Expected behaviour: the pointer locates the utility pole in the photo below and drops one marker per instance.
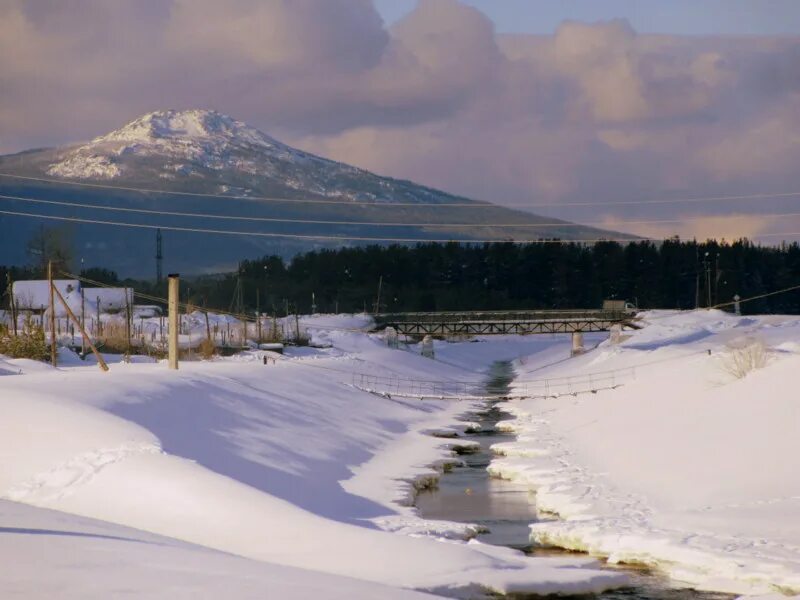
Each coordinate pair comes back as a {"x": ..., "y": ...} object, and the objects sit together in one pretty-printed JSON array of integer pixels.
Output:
[
  {"x": 208, "y": 325},
  {"x": 696, "y": 278},
  {"x": 258, "y": 314},
  {"x": 159, "y": 257},
  {"x": 707, "y": 264},
  {"x": 237, "y": 302},
  {"x": 378, "y": 298},
  {"x": 71, "y": 315},
  {"x": 172, "y": 303},
  {"x": 53, "y": 352}
]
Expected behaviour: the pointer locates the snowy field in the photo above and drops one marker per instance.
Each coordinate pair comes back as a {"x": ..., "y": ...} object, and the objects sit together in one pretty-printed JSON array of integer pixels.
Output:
[
  {"x": 687, "y": 465},
  {"x": 235, "y": 478}
]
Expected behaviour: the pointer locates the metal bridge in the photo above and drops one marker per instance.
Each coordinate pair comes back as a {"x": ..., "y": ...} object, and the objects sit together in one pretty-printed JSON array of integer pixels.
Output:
[{"x": 496, "y": 323}]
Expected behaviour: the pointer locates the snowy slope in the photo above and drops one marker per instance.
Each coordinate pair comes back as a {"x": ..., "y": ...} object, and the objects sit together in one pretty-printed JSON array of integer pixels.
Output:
[
  {"x": 685, "y": 466},
  {"x": 249, "y": 459},
  {"x": 48, "y": 554}
]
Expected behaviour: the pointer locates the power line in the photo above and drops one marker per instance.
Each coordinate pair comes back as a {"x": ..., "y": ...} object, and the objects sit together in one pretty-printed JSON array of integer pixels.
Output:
[
  {"x": 360, "y": 223},
  {"x": 758, "y": 297},
  {"x": 399, "y": 240},
  {"x": 275, "y": 219},
  {"x": 325, "y": 237},
  {"x": 387, "y": 204}
]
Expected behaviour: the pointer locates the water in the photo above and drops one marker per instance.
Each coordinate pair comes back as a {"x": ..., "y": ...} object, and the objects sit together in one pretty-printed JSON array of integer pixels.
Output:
[{"x": 468, "y": 494}]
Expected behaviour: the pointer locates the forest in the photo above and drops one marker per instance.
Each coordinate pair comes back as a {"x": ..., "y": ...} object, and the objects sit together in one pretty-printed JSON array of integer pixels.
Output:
[{"x": 431, "y": 277}]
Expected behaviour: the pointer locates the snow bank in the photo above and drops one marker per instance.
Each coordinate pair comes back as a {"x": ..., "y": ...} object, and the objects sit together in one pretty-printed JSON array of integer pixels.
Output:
[
  {"x": 58, "y": 555},
  {"x": 684, "y": 467},
  {"x": 248, "y": 459}
]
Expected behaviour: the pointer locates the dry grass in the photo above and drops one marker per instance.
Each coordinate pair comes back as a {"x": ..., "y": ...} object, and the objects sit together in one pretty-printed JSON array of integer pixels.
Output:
[
  {"x": 207, "y": 349},
  {"x": 744, "y": 357}
]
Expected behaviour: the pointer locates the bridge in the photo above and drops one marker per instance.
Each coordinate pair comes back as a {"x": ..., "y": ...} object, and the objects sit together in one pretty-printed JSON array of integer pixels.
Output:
[{"x": 504, "y": 322}]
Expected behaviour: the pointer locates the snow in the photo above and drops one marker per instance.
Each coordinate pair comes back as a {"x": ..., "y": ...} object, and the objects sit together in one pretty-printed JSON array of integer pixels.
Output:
[
  {"x": 285, "y": 464},
  {"x": 184, "y": 139},
  {"x": 52, "y": 552},
  {"x": 115, "y": 298},
  {"x": 684, "y": 467},
  {"x": 35, "y": 295},
  {"x": 85, "y": 163}
]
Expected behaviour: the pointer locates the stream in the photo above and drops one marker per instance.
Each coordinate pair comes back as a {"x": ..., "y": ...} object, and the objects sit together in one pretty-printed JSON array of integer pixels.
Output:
[{"x": 469, "y": 494}]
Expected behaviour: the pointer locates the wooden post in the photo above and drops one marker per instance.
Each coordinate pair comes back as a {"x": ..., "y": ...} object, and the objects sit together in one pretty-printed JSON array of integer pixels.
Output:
[
  {"x": 174, "y": 280},
  {"x": 11, "y": 304},
  {"x": 128, "y": 319},
  {"x": 100, "y": 360},
  {"x": 99, "y": 324},
  {"x": 53, "y": 353},
  {"x": 83, "y": 322}
]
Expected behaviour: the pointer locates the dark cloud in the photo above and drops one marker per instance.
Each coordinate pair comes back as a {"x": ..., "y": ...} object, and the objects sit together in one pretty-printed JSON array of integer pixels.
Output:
[{"x": 593, "y": 112}]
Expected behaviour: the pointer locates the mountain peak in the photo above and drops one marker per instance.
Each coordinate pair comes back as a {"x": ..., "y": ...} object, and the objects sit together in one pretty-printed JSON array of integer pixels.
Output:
[
  {"x": 182, "y": 141},
  {"x": 189, "y": 125}
]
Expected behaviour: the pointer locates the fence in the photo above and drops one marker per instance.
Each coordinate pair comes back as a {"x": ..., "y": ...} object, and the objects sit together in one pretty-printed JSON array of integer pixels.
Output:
[
  {"x": 554, "y": 387},
  {"x": 115, "y": 332}
]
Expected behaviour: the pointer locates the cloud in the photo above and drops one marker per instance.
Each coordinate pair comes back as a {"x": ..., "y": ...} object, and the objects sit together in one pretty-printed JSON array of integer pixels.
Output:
[
  {"x": 593, "y": 113},
  {"x": 729, "y": 227},
  {"x": 297, "y": 36}
]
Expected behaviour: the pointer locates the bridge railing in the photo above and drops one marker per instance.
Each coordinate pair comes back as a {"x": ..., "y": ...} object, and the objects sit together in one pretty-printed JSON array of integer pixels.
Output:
[{"x": 502, "y": 316}]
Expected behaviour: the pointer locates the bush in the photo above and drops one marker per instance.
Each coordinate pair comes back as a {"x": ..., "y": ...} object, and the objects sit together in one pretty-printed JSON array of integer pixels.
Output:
[
  {"x": 29, "y": 343},
  {"x": 207, "y": 349},
  {"x": 744, "y": 357}
]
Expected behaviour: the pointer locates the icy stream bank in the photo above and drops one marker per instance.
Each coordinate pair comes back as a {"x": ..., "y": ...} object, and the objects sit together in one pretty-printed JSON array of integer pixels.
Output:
[{"x": 505, "y": 509}]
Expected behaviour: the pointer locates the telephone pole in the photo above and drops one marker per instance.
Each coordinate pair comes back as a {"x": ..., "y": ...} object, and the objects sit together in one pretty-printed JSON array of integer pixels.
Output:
[
  {"x": 378, "y": 298},
  {"x": 51, "y": 285},
  {"x": 159, "y": 257}
]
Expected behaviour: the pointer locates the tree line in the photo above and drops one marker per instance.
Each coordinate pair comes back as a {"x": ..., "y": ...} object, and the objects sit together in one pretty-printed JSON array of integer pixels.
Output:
[{"x": 432, "y": 277}]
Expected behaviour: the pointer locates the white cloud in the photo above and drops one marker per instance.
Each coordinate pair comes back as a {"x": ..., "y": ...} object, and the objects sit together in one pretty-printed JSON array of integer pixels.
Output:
[{"x": 595, "y": 112}]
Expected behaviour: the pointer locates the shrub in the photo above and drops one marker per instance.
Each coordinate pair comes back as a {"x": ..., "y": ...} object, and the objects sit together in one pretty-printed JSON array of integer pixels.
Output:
[
  {"x": 207, "y": 349},
  {"x": 745, "y": 356},
  {"x": 29, "y": 343}
]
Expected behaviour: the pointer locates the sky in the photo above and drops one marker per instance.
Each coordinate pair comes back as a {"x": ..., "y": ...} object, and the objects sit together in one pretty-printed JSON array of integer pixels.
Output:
[
  {"x": 679, "y": 17},
  {"x": 585, "y": 110}
]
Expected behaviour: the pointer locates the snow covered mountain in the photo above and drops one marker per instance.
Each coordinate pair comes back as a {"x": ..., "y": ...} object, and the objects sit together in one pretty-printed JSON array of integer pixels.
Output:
[
  {"x": 196, "y": 147},
  {"x": 232, "y": 170},
  {"x": 173, "y": 145}
]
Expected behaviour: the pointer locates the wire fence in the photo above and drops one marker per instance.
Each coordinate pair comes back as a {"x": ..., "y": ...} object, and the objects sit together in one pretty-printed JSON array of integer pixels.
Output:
[{"x": 552, "y": 387}]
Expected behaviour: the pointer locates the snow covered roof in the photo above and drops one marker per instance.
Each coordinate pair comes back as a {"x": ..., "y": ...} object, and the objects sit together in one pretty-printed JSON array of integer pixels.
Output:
[
  {"x": 35, "y": 294},
  {"x": 116, "y": 298}
]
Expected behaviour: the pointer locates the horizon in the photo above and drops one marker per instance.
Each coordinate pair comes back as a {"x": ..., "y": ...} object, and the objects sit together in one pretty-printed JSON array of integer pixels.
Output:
[{"x": 516, "y": 117}]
